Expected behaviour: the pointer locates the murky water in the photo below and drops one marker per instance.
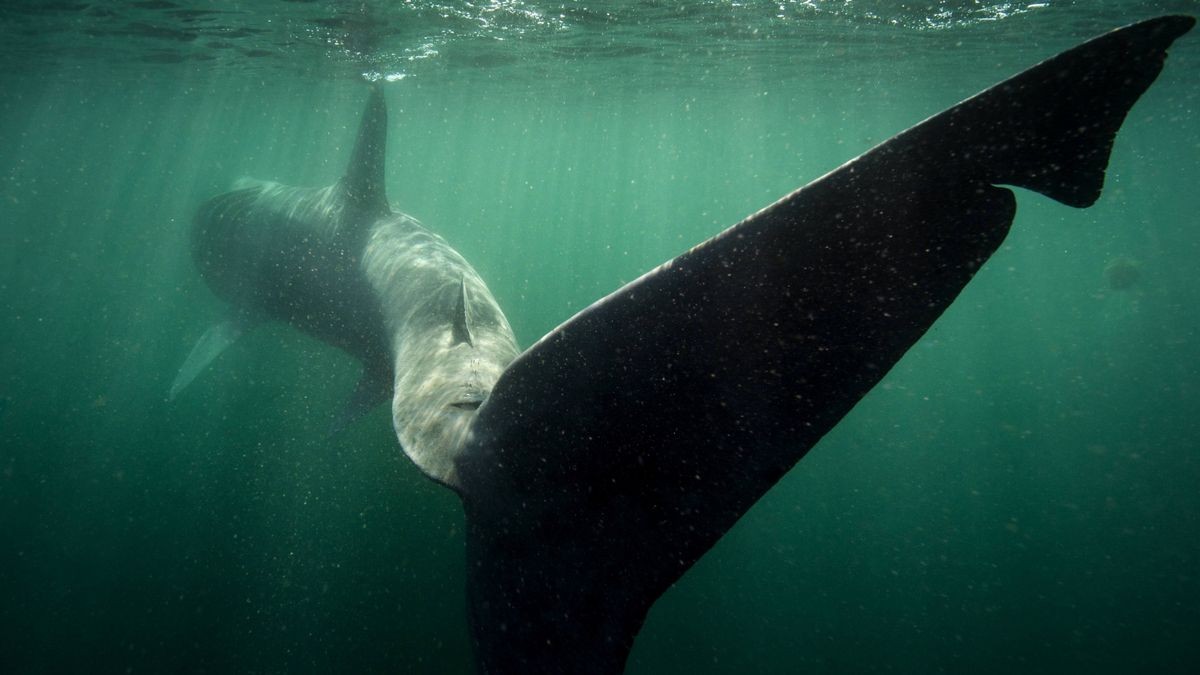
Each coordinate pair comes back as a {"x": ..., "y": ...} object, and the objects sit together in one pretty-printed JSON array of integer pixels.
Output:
[{"x": 1020, "y": 494}]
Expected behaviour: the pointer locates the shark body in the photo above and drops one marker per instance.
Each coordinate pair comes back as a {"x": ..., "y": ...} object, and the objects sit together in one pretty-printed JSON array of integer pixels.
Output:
[
  {"x": 338, "y": 263},
  {"x": 703, "y": 381}
]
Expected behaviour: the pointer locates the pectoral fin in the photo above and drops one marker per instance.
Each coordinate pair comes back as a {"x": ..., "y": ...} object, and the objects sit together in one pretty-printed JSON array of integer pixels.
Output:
[
  {"x": 210, "y": 345},
  {"x": 373, "y": 388}
]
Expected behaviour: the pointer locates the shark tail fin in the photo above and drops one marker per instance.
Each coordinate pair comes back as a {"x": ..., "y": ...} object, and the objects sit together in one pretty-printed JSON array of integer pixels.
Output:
[
  {"x": 1082, "y": 96},
  {"x": 619, "y": 448}
]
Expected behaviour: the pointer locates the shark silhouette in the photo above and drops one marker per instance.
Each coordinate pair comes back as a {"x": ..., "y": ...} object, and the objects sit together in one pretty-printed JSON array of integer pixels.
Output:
[{"x": 598, "y": 465}]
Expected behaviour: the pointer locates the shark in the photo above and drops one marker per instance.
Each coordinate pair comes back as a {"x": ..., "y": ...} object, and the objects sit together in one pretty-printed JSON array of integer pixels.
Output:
[
  {"x": 598, "y": 465},
  {"x": 339, "y": 264}
]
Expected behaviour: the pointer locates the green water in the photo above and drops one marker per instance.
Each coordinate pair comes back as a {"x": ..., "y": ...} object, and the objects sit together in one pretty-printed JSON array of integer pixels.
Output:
[{"x": 1021, "y": 494}]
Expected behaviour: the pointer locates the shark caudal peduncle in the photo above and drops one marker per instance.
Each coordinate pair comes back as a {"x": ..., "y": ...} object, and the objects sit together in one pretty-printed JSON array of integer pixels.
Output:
[{"x": 449, "y": 340}]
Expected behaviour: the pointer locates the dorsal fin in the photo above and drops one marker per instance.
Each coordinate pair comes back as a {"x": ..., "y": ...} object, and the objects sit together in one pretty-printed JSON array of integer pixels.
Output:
[
  {"x": 362, "y": 184},
  {"x": 462, "y": 329}
]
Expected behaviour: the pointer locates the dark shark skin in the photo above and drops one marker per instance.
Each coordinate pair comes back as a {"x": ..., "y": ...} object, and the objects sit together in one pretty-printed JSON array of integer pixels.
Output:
[
  {"x": 295, "y": 258},
  {"x": 712, "y": 375},
  {"x": 613, "y": 453}
]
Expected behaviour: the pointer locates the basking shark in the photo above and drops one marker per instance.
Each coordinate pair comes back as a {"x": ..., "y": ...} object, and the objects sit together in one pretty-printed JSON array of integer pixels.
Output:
[{"x": 598, "y": 465}]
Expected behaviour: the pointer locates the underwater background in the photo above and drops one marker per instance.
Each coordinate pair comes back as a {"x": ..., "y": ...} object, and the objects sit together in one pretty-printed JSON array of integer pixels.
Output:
[{"x": 1020, "y": 494}]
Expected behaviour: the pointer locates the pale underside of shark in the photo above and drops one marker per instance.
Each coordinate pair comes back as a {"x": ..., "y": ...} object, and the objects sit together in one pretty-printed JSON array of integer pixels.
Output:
[{"x": 598, "y": 465}]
